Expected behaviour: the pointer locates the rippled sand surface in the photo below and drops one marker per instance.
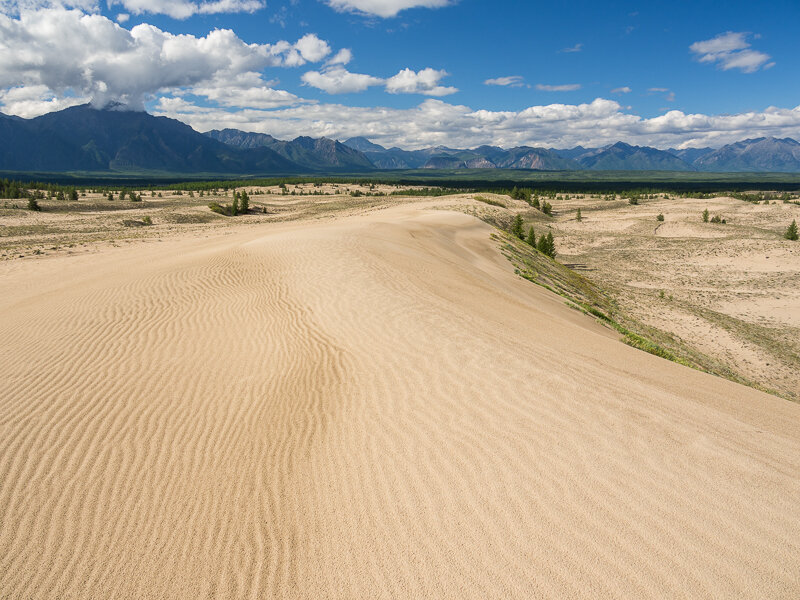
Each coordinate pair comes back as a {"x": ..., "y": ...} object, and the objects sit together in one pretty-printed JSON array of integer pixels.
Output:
[{"x": 370, "y": 406}]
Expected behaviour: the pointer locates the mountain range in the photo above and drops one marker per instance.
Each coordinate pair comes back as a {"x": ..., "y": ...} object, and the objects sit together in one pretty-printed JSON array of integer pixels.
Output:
[
  {"x": 761, "y": 154},
  {"x": 115, "y": 139}
]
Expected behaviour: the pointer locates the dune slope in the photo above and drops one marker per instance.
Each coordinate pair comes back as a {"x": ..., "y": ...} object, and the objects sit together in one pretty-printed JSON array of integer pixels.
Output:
[{"x": 372, "y": 406}]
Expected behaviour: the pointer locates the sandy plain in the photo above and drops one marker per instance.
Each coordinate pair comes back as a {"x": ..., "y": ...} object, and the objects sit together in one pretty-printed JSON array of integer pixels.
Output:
[{"x": 360, "y": 400}]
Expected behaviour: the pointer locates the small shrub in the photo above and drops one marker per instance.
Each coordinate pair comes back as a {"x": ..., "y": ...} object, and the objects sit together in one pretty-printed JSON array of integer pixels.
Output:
[
  {"x": 705, "y": 216},
  {"x": 219, "y": 209},
  {"x": 490, "y": 201},
  {"x": 147, "y": 220},
  {"x": 578, "y": 216},
  {"x": 547, "y": 208},
  {"x": 34, "y": 205},
  {"x": 660, "y": 217},
  {"x": 633, "y": 200}
]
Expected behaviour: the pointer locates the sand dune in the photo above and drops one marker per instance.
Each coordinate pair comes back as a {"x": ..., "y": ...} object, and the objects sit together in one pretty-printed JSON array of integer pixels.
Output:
[{"x": 365, "y": 407}]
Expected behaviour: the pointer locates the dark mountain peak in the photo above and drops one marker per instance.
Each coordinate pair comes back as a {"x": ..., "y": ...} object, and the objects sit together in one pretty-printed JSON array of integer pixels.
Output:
[
  {"x": 362, "y": 144},
  {"x": 623, "y": 146},
  {"x": 759, "y": 154}
]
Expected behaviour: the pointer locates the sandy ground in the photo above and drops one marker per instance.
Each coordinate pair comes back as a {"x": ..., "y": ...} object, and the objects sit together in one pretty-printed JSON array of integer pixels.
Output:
[
  {"x": 730, "y": 291},
  {"x": 366, "y": 406}
]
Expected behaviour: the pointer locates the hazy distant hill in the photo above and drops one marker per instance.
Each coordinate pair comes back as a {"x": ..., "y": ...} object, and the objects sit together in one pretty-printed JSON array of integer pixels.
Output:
[
  {"x": 761, "y": 154},
  {"x": 315, "y": 154},
  {"x": 690, "y": 155}
]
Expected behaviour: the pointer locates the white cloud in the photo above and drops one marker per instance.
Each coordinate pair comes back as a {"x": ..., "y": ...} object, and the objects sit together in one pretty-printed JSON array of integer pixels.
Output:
[
  {"x": 670, "y": 95},
  {"x": 384, "y": 8},
  {"x": 103, "y": 61},
  {"x": 571, "y": 87},
  {"x": 311, "y": 48},
  {"x": 622, "y": 90},
  {"x": 425, "y": 81},
  {"x": 123, "y": 17},
  {"x": 177, "y": 9},
  {"x": 436, "y": 122},
  {"x": 510, "y": 81},
  {"x": 575, "y": 48},
  {"x": 32, "y": 101},
  {"x": 338, "y": 80},
  {"x": 344, "y": 56},
  {"x": 243, "y": 90},
  {"x": 731, "y": 50}
]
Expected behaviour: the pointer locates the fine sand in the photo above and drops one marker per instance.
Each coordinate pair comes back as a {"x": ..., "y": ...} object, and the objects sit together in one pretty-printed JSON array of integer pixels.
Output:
[{"x": 367, "y": 406}]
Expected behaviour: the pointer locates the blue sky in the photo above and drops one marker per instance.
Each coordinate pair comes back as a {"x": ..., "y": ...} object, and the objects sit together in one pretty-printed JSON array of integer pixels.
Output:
[{"x": 415, "y": 72}]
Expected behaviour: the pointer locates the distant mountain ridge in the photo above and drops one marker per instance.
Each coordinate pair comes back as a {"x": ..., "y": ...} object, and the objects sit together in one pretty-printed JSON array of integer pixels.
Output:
[
  {"x": 117, "y": 139},
  {"x": 309, "y": 153},
  {"x": 756, "y": 155},
  {"x": 83, "y": 138}
]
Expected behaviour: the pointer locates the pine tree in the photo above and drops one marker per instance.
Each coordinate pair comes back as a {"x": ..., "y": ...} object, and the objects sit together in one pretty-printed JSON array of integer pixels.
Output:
[
  {"x": 578, "y": 216},
  {"x": 110, "y": 197},
  {"x": 791, "y": 231},
  {"x": 235, "y": 205},
  {"x": 705, "y": 216},
  {"x": 244, "y": 203},
  {"x": 73, "y": 195},
  {"x": 517, "y": 227},
  {"x": 531, "y": 239},
  {"x": 546, "y": 245}
]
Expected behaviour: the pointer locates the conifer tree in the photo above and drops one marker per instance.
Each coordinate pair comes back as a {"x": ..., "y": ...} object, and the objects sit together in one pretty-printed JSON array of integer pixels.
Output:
[
  {"x": 517, "y": 227},
  {"x": 531, "y": 239},
  {"x": 235, "y": 205},
  {"x": 244, "y": 203},
  {"x": 705, "y": 216},
  {"x": 578, "y": 216},
  {"x": 791, "y": 231}
]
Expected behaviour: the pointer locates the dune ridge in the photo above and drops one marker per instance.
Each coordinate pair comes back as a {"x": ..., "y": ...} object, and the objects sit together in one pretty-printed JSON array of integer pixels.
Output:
[{"x": 367, "y": 406}]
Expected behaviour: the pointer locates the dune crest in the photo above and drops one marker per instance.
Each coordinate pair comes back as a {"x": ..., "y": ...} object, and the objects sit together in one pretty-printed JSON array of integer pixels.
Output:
[{"x": 367, "y": 406}]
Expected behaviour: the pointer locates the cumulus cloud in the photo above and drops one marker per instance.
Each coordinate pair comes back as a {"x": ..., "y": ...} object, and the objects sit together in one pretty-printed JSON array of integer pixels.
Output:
[
  {"x": 103, "y": 61},
  {"x": 32, "y": 101},
  {"x": 510, "y": 81},
  {"x": 425, "y": 81},
  {"x": 570, "y": 87},
  {"x": 436, "y": 122},
  {"x": 338, "y": 80},
  {"x": 384, "y": 8},
  {"x": 731, "y": 50},
  {"x": 344, "y": 56},
  {"x": 622, "y": 90}
]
